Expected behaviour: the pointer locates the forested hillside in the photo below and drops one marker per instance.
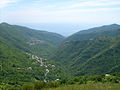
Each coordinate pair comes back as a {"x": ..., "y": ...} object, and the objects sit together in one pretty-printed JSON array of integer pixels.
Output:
[
  {"x": 91, "y": 52},
  {"x": 33, "y": 56},
  {"x": 23, "y": 55},
  {"x": 41, "y": 43},
  {"x": 106, "y": 30}
]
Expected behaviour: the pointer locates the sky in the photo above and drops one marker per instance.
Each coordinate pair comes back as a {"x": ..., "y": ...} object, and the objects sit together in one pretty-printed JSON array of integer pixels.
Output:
[{"x": 61, "y": 16}]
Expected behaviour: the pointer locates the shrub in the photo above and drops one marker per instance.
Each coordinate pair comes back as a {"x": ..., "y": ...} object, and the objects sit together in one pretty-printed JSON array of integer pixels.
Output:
[
  {"x": 39, "y": 85},
  {"x": 12, "y": 89},
  {"x": 53, "y": 84},
  {"x": 94, "y": 78},
  {"x": 64, "y": 81},
  {"x": 90, "y": 82},
  {"x": 28, "y": 87},
  {"x": 82, "y": 82},
  {"x": 71, "y": 82},
  {"x": 113, "y": 79}
]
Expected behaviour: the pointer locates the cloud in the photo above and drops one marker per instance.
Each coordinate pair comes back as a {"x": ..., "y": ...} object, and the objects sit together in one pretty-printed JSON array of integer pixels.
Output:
[
  {"x": 94, "y": 3},
  {"x": 81, "y": 5},
  {"x": 4, "y": 3},
  {"x": 79, "y": 11},
  {"x": 81, "y": 15}
]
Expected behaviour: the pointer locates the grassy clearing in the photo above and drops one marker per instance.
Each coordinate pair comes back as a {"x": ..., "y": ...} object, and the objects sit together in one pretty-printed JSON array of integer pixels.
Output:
[{"x": 97, "y": 86}]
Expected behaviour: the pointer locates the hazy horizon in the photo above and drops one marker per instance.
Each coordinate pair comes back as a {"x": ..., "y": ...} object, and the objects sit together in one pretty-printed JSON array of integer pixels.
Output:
[
  {"x": 65, "y": 29},
  {"x": 62, "y": 16}
]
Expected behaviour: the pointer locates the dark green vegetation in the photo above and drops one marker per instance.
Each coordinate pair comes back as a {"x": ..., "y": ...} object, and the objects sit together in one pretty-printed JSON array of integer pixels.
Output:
[
  {"x": 97, "y": 86},
  {"x": 17, "y": 67},
  {"x": 40, "y": 43},
  {"x": 92, "y": 52},
  {"x": 96, "y": 82},
  {"x": 107, "y": 30}
]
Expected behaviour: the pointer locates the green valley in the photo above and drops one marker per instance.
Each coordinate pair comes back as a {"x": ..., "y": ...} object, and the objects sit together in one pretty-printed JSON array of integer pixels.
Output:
[{"x": 34, "y": 59}]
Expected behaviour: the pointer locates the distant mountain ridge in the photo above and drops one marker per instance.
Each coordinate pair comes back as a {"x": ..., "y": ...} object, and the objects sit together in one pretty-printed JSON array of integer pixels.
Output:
[{"x": 106, "y": 30}]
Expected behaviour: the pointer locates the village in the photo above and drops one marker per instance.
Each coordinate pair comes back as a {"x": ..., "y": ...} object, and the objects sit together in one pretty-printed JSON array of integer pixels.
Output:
[{"x": 43, "y": 63}]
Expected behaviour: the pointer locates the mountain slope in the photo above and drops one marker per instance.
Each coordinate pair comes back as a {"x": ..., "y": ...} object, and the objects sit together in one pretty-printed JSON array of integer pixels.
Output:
[
  {"x": 14, "y": 66},
  {"x": 107, "y": 30},
  {"x": 92, "y": 52},
  {"x": 40, "y": 43},
  {"x": 17, "y": 68},
  {"x": 19, "y": 47}
]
